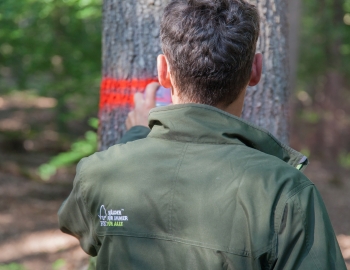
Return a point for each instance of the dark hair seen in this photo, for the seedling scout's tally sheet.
(210, 46)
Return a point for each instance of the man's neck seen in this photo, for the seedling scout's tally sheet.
(234, 108)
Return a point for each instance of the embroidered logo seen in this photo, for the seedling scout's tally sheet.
(112, 218)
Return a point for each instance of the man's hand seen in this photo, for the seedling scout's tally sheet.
(143, 104)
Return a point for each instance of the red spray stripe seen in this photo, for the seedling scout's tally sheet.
(121, 92)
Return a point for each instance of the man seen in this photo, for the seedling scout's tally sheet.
(204, 190)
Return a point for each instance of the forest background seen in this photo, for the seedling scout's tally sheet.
(50, 74)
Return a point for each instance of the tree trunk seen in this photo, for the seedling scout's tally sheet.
(266, 104)
(294, 18)
(130, 48)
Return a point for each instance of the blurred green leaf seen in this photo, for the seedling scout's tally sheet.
(305, 152)
(58, 264)
(93, 122)
(310, 116)
(79, 149)
(344, 160)
(12, 266)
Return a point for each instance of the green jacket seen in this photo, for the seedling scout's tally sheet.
(204, 190)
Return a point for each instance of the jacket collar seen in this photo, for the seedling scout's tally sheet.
(199, 123)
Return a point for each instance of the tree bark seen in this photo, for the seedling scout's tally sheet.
(294, 18)
(129, 51)
(131, 45)
(266, 104)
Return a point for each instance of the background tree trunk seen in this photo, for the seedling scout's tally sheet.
(266, 104)
(130, 48)
(294, 20)
(131, 45)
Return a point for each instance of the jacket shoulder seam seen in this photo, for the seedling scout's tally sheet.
(307, 236)
(280, 207)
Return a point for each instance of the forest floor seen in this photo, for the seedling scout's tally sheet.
(29, 234)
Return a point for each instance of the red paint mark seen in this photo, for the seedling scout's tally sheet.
(121, 92)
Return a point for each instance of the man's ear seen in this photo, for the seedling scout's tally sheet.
(163, 71)
(256, 70)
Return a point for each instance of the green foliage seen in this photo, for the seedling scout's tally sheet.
(310, 117)
(53, 47)
(92, 263)
(59, 264)
(325, 38)
(323, 79)
(344, 160)
(12, 266)
(79, 150)
(305, 152)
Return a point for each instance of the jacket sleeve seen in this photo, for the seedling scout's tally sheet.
(74, 218)
(135, 133)
(305, 238)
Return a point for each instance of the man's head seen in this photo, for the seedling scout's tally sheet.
(209, 47)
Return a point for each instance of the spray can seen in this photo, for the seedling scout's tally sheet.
(163, 96)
